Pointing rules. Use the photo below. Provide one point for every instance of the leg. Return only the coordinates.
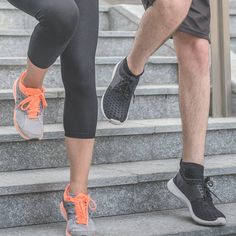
(57, 21)
(80, 113)
(194, 87)
(159, 22)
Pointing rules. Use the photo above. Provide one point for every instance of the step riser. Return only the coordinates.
(233, 24)
(16, 46)
(15, 19)
(154, 74)
(145, 107)
(113, 20)
(37, 208)
(233, 44)
(51, 153)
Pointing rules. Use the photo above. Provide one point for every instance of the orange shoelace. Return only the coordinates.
(82, 204)
(32, 103)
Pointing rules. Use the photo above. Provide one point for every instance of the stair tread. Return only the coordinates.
(163, 89)
(148, 224)
(99, 60)
(53, 179)
(131, 127)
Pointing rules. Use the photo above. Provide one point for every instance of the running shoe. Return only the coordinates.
(29, 107)
(117, 98)
(75, 210)
(197, 196)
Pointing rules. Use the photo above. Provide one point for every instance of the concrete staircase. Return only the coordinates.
(132, 163)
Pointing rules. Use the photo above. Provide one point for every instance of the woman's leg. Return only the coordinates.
(80, 117)
(57, 23)
(80, 113)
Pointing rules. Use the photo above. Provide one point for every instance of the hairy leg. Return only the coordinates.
(158, 23)
(194, 88)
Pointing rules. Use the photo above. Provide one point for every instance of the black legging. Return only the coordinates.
(68, 28)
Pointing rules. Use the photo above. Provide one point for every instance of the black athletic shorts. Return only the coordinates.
(197, 22)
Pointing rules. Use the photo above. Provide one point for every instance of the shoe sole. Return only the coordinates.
(64, 215)
(112, 121)
(24, 136)
(178, 193)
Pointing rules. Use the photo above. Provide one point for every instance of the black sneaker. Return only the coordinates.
(116, 99)
(197, 196)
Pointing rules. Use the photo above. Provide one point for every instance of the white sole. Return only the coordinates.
(112, 121)
(174, 189)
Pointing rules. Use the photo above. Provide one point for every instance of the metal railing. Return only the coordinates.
(221, 101)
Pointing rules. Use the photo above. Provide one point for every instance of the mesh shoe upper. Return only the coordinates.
(117, 98)
(200, 196)
(29, 107)
(77, 210)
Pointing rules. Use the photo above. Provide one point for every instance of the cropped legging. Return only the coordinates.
(69, 29)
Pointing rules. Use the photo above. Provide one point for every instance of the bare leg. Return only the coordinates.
(80, 152)
(159, 22)
(35, 75)
(193, 57)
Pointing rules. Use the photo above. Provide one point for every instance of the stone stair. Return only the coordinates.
(132, 163)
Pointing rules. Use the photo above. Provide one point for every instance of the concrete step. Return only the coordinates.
(110, 19)
(153, 224)
(12, 18)
(150, 102)
(159, 70)
(137, 140)
(110, 43)
(32, 197)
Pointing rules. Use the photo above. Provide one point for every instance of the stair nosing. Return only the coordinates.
(131, 127)
(107, 175)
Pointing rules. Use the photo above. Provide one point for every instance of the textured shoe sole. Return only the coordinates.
(175, 190)
(112, 121)
(24, 136)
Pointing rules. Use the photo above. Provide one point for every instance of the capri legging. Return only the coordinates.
(68, 28)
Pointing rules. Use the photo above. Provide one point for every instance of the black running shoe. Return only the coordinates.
(116, 99)
(197, 196)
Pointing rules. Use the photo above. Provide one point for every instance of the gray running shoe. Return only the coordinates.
(117, 98)
(75, 210)
(29, 107)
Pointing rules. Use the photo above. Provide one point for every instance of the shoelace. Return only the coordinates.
(205, 189)
(32, 104)
(126, 87)
(82, 204)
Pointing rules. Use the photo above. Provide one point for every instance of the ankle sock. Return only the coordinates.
(192, 170)
(127, 70)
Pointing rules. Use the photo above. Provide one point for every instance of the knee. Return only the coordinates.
(194, 55)
(61, 19)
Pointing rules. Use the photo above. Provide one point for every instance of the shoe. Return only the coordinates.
(117, 98)
(75, 210)
(29, 107)
(197, 196)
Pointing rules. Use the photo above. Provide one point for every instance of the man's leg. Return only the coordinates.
(158, 23)
(194, 93)
(194, 83)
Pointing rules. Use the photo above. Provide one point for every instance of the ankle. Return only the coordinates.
(78, 189)
(136, 70)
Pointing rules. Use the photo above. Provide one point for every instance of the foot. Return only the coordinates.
(29, 107)
(75, 210)
(116, 99)
(197, 196)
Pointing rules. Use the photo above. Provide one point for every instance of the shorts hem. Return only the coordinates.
(79, 135)
(194, 33)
